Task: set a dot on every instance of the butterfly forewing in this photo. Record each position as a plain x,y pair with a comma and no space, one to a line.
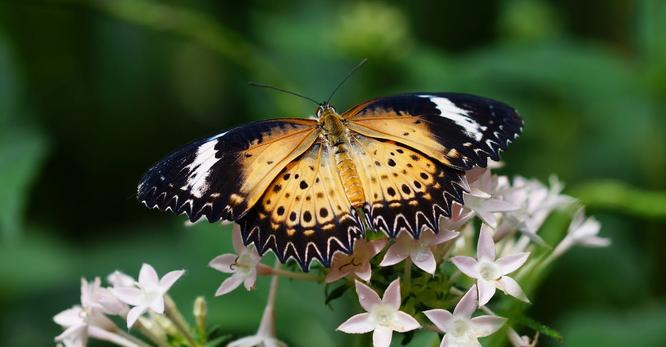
304,214
223,176
459,130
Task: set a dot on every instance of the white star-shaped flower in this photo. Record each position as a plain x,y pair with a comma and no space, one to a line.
148,292
383,316
582,231
89,318
483,198
490,273
419,251
459,328
242,265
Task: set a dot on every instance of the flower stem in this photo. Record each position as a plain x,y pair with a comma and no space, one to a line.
117,337
176,317
268,271
407,274
145,331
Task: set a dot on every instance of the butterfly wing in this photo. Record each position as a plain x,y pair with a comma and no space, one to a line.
459,130
405,189
223,176
304,214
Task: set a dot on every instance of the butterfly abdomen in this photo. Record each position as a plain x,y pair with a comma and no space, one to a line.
349,176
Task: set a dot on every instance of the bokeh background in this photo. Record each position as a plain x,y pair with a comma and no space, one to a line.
93,92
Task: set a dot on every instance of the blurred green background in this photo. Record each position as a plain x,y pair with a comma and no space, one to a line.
93,92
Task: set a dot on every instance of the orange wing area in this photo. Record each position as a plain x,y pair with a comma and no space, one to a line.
304,214
458,130
405,189
223,176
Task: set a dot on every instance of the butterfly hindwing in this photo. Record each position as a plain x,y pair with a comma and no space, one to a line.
459,130
304,214
405,189
222,177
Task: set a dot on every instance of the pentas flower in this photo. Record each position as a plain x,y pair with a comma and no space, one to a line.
459,328
148,292
89,318
242,265
483,197
419,250
382,316
357,263
120,279
102,299
582,231
534,202
490,273
459,217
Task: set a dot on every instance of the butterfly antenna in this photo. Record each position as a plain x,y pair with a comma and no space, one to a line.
346,78
255,84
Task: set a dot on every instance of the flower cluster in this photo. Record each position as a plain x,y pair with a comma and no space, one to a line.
494,240
127,299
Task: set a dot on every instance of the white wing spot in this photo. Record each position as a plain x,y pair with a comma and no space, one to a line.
200,167
458,115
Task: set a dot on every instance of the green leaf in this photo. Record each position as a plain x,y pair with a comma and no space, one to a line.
336,293
541,328
22,152
619,196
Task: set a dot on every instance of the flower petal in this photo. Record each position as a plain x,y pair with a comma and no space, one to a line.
229,284
485,248
392,294
402,322
148,276
129,295
248,341
487,325
445,235
395,254
236,239
357,324
224,263
157,305
424,260
382,337
440,318
364,271
250,279
366,296
134,314
595,241
69,317
376,246
511,263
467,265
169,279
511,287
486,291
467,304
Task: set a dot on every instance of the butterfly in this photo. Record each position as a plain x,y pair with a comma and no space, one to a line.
308,188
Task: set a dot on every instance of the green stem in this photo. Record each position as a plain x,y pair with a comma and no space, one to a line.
407,274
145,331
179,322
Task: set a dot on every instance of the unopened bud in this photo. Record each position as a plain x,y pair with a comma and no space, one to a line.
200,313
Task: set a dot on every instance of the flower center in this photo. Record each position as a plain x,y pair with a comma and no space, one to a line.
488,271
245,263
383,314
459,328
